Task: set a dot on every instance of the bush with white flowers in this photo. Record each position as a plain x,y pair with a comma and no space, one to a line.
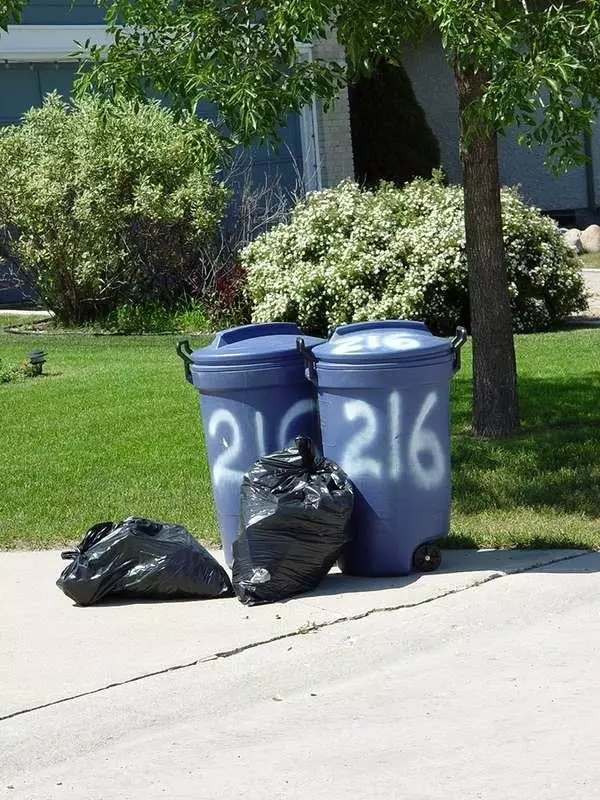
349,255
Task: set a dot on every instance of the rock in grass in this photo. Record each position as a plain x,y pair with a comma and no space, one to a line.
590,239
573,238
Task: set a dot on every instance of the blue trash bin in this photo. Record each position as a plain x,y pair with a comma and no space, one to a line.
254,399
383,396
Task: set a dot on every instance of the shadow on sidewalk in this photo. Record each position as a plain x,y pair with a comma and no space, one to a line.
486,562
490,563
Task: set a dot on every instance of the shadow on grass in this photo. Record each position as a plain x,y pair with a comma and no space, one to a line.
553,465
558,402
552,469
552,403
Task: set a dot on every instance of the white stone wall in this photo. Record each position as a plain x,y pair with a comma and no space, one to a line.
335,139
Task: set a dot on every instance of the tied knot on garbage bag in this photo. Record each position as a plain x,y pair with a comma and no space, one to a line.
139,558
294,511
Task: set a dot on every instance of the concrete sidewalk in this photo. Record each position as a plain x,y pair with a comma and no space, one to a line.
51,649
27,312
592,283
468,684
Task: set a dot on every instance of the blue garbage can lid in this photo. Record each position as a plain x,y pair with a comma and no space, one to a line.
396,340
252,344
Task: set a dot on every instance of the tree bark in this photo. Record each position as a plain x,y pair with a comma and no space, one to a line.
495,402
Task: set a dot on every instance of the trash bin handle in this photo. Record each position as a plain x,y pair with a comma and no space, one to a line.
310,369
457,343
184,352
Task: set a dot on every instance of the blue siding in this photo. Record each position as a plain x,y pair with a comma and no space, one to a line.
10,296
18,91
23,86
285,160
269,162
61,12
9,293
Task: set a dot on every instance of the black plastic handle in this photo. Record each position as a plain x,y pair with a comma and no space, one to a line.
306,451
457,343
310,361
184,351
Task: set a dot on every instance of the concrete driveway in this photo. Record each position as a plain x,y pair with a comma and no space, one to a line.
478,681
592,283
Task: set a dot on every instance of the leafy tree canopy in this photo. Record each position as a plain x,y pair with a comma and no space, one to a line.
543,58
10,11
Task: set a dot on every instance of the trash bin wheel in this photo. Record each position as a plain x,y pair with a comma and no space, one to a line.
427,558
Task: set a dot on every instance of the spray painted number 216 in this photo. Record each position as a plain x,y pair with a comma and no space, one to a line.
224,427
423,460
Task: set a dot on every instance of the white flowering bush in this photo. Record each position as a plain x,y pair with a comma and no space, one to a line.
349,255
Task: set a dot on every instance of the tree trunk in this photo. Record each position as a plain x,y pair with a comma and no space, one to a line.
495,403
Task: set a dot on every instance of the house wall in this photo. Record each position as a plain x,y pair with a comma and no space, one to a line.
596,163
335,137
24,85
433,84
26,77
61,12
34,61
319,143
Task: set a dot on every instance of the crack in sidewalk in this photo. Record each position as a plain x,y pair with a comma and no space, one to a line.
311,628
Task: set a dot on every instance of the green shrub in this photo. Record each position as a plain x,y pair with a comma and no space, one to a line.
349,255
194,318
154,318
10,373
147,318
112,203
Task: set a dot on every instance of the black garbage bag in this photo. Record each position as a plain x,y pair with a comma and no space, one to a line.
141,558
294,512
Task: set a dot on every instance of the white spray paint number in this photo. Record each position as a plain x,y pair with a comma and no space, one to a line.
354,458
425,459
224,427
259,422
428,472
297,410
224,421
394,416
364,342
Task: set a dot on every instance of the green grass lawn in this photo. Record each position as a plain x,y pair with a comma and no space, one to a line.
113,430
590,260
